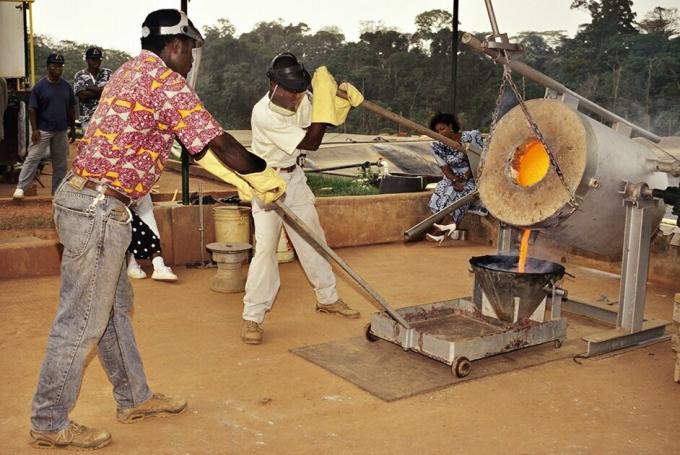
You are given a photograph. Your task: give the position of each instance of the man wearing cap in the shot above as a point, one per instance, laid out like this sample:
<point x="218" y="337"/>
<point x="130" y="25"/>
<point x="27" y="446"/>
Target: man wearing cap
<point x="284" y="125"/>
<point x="51" y="110"/>
<point x="144" y="107"/>
<point x="89" y="83"/>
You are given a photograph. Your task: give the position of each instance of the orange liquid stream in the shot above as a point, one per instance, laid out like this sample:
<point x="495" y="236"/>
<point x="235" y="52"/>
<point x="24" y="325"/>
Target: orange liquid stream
<point x="523" y="248"/>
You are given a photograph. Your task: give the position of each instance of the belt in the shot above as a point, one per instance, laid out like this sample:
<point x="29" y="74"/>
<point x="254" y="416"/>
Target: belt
<point x="290" y="168"/>
<point x="79" y="183"/>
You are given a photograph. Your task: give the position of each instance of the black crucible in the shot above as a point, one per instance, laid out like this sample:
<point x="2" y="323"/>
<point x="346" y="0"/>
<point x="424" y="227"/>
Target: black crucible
<point x="502" y="284"/>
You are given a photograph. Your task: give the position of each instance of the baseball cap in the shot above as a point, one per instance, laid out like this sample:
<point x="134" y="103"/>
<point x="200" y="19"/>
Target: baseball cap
<point x="55" y="58"/>
<point x="94" y="53"/>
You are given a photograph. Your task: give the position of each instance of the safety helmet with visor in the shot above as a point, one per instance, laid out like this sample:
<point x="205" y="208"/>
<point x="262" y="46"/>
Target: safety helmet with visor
<point x="168" y="22"/>
<point x="285" y="70"/>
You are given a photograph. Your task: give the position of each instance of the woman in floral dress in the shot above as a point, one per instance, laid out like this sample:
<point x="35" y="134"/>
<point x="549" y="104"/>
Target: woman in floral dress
<point x="458" y="180"/>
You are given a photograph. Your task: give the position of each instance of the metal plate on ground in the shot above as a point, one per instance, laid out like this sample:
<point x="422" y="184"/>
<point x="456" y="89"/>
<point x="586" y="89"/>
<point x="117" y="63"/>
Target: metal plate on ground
<point x="388" y="372"/>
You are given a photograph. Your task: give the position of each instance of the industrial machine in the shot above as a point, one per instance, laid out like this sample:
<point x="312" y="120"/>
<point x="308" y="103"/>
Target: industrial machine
<point x="16" y="63"/>
<point x="548" y="168"/>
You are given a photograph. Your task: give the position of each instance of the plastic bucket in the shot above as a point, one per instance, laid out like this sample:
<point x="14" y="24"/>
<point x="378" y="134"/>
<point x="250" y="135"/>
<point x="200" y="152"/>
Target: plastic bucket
<point x="232" y="224"/>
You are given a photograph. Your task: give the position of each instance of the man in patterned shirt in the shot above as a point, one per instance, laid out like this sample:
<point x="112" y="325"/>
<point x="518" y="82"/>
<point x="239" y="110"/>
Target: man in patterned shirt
<point x="145" y="105"/>
<point x="89" y="83"/>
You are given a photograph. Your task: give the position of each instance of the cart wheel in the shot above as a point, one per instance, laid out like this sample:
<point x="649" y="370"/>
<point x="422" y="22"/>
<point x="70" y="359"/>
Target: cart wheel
<point x="462" y="367"/>
<point x="369" y="336"/>
<point x="558" y="344"/>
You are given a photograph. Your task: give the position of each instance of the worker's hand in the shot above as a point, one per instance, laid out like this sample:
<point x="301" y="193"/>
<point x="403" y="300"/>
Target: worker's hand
<point x="458" y="185"/>
<point x="267" y="185"/>
<point x="353" y="93"/>
<point x="72" y="134"/>
<point x="35" y="137"/>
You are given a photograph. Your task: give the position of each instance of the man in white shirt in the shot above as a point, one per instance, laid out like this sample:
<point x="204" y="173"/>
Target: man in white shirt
<point x="284" y="126"/>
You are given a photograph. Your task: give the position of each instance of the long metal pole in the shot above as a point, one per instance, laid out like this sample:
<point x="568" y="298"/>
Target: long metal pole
<point x="185" y="153"/>
<point x="418" y="231"/>
<point x="548" y="82"/>
<point x="410" y="124"/>
<point x="454" y="55"/>
<point x="325" y="250"/>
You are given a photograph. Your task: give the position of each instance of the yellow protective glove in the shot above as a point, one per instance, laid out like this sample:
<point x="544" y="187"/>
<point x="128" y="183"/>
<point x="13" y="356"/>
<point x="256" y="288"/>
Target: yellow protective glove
<point x="326" y="106"/>
<point x="342" y="105"/>
<point x="267" y="185"/>
<point x="323" y="102"/>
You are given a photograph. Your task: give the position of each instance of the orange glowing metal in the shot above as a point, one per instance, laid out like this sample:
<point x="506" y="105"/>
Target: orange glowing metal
<point x="523" y="248"/>
<point x="531" y="163"/>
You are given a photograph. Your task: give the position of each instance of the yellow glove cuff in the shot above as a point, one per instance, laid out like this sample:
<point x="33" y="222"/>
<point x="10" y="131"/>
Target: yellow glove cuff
<point x="266" y="185"/>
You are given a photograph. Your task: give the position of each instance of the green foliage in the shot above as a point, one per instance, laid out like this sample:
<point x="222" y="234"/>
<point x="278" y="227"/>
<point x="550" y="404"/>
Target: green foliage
<point x="628" y="67"/>
<point x="74" y="56"/>
<point x="328" y="185"/>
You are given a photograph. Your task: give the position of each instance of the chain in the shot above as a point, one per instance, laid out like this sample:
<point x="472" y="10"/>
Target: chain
<point x="494" y="121"/>
<point x="507" y="80"/>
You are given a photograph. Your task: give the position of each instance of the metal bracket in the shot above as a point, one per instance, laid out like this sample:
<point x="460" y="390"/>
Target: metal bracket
<point x="631" y="327"/>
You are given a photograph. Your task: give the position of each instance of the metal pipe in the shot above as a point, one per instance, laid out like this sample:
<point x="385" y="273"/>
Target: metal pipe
<point x="326" y="251"/>
<point x="492" y="17"/>
<point x="454" y="55"/>
<point x="365" y="164"/>
<point x="418" y="231"/>
<point x="548" y="82"/>
<point x="185" y="153"/>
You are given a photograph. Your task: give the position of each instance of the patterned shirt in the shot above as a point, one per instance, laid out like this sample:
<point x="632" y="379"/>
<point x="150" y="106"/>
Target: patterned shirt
<point x="143" y="108"/>
<point x="84" y="80"/>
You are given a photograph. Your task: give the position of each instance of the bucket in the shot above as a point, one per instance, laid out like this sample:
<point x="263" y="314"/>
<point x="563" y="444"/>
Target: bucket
<point x="232" y="224"/>
<point x="284" y="250"/>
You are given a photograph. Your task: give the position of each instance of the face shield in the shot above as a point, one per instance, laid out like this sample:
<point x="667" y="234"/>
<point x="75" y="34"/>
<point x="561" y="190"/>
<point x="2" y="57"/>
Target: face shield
<point x="299" y="97"/>
<point x="192" y="77"/>
<point x="183" y="26"/>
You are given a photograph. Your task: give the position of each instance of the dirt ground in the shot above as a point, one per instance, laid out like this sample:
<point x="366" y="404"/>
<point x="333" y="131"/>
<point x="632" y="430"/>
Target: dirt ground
<point x="263" y="399"/>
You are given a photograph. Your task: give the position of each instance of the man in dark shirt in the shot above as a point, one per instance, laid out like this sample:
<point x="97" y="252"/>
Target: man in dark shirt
<point x="89" y="83"/>
<point x="51" y="109"/>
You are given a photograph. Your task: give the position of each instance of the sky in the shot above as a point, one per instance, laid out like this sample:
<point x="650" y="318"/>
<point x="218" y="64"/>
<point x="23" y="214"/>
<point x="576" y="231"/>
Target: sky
<point x="116" y="24"/>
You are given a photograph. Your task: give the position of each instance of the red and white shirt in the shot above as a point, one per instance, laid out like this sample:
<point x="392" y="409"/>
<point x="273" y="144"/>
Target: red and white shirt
<point x="142" y="109"/>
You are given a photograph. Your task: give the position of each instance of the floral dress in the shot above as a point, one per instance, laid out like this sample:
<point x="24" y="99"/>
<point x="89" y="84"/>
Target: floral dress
<point x="445" y="194"/>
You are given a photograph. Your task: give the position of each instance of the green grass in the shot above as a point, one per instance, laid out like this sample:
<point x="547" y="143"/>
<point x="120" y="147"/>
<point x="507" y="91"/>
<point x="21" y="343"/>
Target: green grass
<point x="328" y="185"/>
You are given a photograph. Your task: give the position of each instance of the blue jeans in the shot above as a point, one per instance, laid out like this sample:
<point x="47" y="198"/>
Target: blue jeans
<point x="95" y="303"/>
<point x="57" y="144"/>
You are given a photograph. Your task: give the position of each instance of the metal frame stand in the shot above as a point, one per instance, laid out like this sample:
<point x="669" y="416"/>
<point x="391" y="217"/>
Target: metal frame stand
<point x="631" y="327"/>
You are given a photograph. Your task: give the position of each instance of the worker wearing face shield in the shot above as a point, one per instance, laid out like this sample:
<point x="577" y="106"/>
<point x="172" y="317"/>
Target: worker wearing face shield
<point x="144" y="107"/>
<point x="285" y="123"/>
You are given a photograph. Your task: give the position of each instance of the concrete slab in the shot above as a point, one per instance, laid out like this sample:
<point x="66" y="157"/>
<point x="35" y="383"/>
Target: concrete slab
<point x="263" y="399"/>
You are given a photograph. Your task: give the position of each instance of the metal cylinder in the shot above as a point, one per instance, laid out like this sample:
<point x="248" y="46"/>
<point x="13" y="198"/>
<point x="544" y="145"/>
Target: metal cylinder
<point x="521" y="188"/>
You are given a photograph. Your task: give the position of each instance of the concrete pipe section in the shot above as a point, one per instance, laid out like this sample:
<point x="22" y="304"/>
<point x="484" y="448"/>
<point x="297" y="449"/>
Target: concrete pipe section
<point x="519" y="187"/>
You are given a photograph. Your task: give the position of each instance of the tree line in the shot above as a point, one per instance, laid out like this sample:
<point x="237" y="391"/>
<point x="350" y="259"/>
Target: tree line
<point x="629" y="66"/>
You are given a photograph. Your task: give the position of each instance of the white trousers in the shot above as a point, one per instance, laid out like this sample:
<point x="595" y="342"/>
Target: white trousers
<point x="263" y="275"/>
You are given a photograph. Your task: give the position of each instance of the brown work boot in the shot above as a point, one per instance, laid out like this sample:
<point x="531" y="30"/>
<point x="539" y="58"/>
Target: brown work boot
<point x="251" y="332"/>
<point x="157" y="406"/>
<point x="339" y="308"/>
<point x="74" y="436"/>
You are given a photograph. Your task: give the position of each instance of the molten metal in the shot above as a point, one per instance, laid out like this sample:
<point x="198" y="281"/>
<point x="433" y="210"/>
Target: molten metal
<point x="531" y="163"/>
